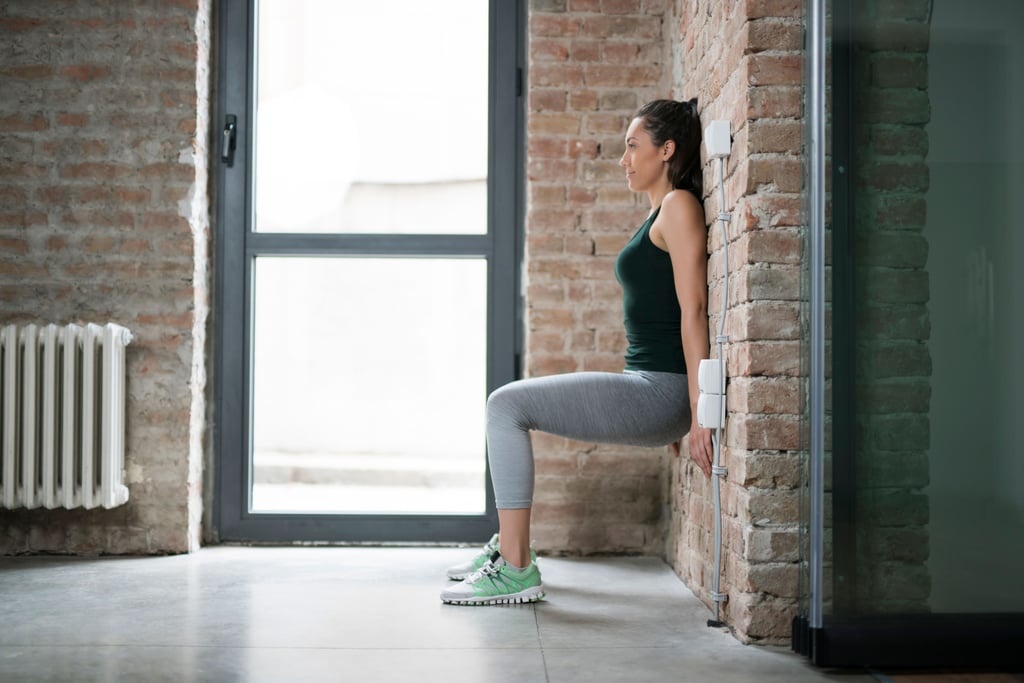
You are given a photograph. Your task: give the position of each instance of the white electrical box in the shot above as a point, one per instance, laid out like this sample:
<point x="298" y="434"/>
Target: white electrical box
<point x="717" y="139"/>
<point x="709" y="376"/>
<point x="709" y="411"/>
<point x="712" y="393"/>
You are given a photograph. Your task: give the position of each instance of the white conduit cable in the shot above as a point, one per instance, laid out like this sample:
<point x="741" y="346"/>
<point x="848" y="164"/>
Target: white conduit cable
<point x="711" y="405"/>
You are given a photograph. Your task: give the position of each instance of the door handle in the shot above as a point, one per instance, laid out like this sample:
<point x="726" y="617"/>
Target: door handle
<point x="227" y="144"/>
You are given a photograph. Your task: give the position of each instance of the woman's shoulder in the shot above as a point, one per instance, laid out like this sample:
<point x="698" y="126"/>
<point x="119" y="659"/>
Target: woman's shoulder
<point x="681" y="216"/>
<point x="681" y="200"/>
<point x="682" y="206"/>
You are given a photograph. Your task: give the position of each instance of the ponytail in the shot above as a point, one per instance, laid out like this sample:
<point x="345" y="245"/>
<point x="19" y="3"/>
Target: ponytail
<point x="666" y="120"/>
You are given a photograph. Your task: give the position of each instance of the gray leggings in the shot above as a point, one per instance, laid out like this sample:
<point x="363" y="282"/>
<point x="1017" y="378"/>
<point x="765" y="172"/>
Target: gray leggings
<point x="635" y="408"/>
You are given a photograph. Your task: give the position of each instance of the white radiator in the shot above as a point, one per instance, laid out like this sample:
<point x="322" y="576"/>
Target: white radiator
<point x="62" y="425"/>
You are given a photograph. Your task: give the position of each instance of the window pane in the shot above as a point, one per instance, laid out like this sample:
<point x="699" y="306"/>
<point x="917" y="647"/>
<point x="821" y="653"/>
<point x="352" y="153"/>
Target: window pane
<point x="369" y="385"/>
<point x="369" y="119"/>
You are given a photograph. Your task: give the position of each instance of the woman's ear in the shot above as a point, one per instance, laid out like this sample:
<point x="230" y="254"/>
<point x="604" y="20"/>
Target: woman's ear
<point x="668" y="149"/>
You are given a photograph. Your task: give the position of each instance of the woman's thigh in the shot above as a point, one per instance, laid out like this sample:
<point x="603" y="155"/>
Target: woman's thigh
<point x="635" y="408"/>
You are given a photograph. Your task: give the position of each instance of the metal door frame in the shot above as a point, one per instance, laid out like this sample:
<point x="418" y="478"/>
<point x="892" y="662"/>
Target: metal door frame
<point x="236" y="246"/>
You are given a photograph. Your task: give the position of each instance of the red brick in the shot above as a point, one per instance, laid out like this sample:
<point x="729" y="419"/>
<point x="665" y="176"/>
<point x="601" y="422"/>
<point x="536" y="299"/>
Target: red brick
<point x="772" y="34"/>
<point x="132" y="195"/>
<point x="586" y="51"/>
<point x="96" y="171"/>
<point x="620" y="53"/>
<point x="13" y="245"/>
<point x="543" y="147"/>
<point x="19" y="24"/>
<point x="775" y="172"/>
<point x="547" y="100"/>
<point x="556" y="75"/>
<point x="579" y="244"/>
<point x="550" y="169"/>
<point x="541" y="366"/>
<point x="775" y="69"/>
<point x="11" y="195"/>
<point x="167" y="172"/>
<point x="28" y="71"/>
<point x="767" y="320"/>
<point x="554" y="124"/>
<point x="599" y="75"/>
<point x="93" y="218"/>
<point x="764" y="358"/>
<point x="76" y="119"/>
<point x="542" y="50"/>
<point x="84" y="73"/>
<point x="544" y="245"/>
<point x="18" y="123"/>
<point x="620" y="6"/>
<point x="548" y="194"/>
<point x="774" y="135"/>
<point x="633" y="28"/>
<point x="23" y="219"/>
<point x="606" y="123"/>
<point x="582" y="148"/>
<point x="584" y="100"/>
<point x="23" y="171"/>
<point x="756" y="9"/>
<point x="553" y="25"/>
<point x="555" y="269"/>
<point x="582" y="196"/>
<point x="24" y="269"/>
<point x="776" y="101"/>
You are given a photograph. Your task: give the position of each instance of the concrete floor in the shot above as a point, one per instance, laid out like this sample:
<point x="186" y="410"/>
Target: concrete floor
<point x="360" y="614"/>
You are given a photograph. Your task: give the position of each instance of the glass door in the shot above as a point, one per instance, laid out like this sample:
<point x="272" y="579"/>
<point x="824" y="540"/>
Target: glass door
<point x="921" y="522"/>
<point x="367" y="256"/>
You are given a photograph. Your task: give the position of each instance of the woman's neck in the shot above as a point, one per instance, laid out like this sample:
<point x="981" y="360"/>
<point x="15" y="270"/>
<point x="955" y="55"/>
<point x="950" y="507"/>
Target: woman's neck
<point x="657" y="194"/>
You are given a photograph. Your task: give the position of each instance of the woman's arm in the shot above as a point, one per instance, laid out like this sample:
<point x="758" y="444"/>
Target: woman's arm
<point x="680" y="229"/>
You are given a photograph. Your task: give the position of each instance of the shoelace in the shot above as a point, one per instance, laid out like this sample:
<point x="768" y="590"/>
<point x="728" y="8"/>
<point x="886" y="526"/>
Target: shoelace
<point x="488" y="569"/>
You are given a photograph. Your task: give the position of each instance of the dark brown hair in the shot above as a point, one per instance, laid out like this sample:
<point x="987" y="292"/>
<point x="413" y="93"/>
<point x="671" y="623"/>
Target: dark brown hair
<point x="666" y="120"/>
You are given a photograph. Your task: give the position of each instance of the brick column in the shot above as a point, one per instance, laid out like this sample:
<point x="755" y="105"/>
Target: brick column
<point x="104" y="217"/>
<point x="744" y="60"/>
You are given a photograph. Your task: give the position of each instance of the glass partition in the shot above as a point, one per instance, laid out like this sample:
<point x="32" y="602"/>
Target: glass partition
<point x="923" y="521"/>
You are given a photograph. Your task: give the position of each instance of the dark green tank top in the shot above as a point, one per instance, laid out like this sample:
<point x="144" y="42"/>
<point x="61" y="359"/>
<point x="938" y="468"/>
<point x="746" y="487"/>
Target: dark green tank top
<point x="650" y="305"/>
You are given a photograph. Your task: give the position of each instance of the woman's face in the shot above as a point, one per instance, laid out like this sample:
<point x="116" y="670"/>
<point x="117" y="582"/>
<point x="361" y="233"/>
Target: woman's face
<point x="644" y="162"/>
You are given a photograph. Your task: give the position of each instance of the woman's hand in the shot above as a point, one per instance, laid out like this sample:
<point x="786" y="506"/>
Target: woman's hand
<point x="702" y="451"/>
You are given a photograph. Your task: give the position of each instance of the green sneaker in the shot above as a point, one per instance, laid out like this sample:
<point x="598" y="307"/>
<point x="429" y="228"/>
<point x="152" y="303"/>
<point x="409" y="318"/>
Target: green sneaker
<point x="497" y="583"/>
<point x="462" y="571"/>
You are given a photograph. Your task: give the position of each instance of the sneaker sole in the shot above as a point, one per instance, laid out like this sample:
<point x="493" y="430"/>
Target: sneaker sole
<point x="529" y="595"/>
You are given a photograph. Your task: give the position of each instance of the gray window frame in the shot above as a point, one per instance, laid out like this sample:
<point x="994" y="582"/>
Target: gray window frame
<point x="236" y="246"/>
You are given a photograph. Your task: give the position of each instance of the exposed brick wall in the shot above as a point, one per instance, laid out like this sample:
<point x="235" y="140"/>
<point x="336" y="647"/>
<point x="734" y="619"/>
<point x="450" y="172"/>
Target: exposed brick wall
<point x="592" y="63"/>
<point x="104" y="217"/>
<point x="744" y="60"/>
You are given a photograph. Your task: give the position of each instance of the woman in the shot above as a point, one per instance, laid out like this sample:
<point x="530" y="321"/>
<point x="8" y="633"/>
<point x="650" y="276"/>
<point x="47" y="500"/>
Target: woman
<point x="663" y="273"/>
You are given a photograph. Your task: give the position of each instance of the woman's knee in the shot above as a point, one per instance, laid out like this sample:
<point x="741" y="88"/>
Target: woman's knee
<point x="501" y="399"/>
<point x="506" y="403"/>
